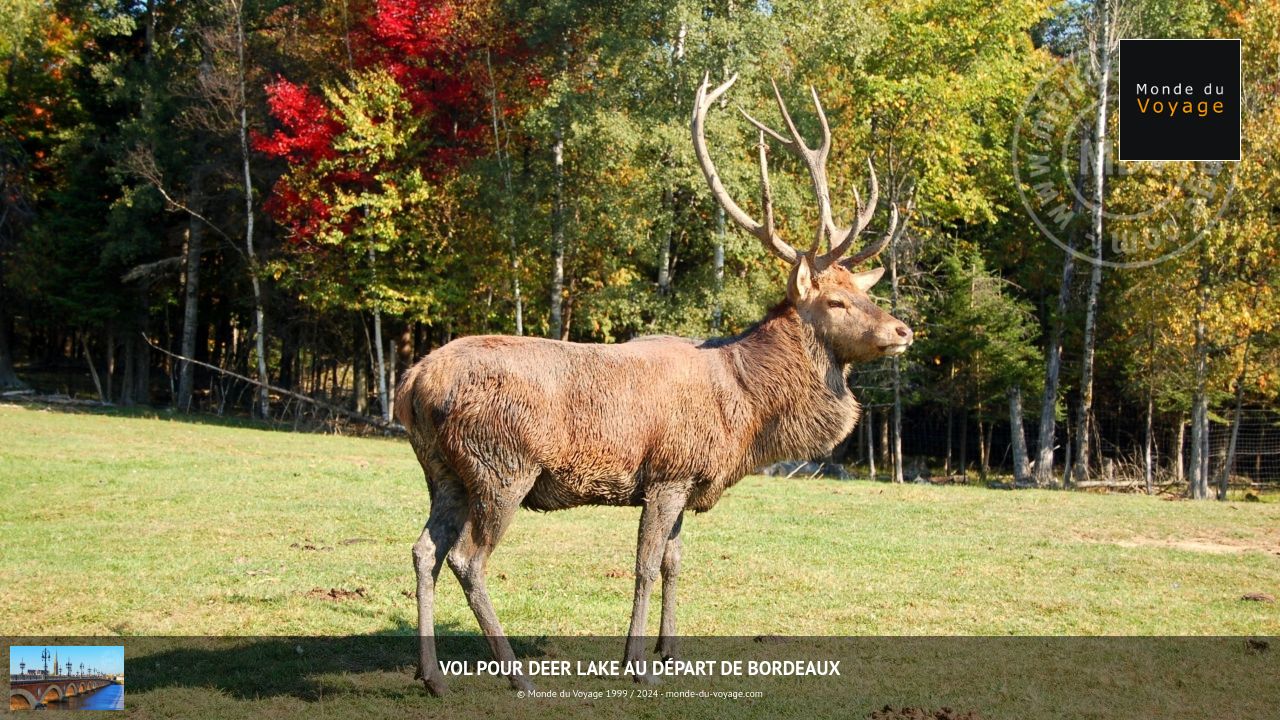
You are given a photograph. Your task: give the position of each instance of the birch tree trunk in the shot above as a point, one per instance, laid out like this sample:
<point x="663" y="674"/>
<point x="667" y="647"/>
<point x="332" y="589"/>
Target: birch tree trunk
<point x="897" y="366"/>
<point x="557" y="239"/>
<point x="1099" y="152"/>
<point x="869" y="424"/>
<point x="664" y="247"/>
<point x="259" y="320"/>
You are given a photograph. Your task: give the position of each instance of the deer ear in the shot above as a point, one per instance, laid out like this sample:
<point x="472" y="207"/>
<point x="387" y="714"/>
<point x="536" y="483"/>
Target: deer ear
<point x="864" y="281"/>
<point x="801" y="284"/>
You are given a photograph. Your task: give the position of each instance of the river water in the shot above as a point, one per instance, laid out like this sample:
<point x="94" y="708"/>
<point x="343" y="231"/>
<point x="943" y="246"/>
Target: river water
<point x="110" y="697"/>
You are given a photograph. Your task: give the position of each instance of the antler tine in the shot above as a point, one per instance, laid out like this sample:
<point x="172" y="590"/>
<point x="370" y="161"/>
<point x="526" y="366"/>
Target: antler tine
<point x="766" y="192"/>
<point x="764" y="233"/>
<point x="814" y="160"/>
<point x="786" y="117"/>
<point x="865" y="213"/>
<point x="875" y="248"/>
<point x="825" y="146"/>
<point x="786" y="142"/>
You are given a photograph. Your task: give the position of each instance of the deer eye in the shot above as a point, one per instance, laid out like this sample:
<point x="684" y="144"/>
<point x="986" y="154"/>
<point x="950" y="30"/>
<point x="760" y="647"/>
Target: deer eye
<point x="836" y="304"/>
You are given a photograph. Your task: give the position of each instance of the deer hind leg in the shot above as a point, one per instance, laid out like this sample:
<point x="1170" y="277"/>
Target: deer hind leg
<point x="666" y="647"/>
<point x="448" y="513"/>
<point x="657" y="521"/>
<point x="489" y="514"/>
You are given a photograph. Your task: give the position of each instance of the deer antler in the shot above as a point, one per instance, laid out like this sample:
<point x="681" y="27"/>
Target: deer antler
<point x="763" y="232"/>
<point x="815" y="160"/>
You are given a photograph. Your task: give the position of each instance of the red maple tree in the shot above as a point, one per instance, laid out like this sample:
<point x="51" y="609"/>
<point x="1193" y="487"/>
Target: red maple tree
<point x="432" y="49"/>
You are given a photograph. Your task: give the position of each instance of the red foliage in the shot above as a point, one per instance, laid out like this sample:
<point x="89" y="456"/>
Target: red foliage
<point x="430" y="48"/>
<point x="307" y="127"/>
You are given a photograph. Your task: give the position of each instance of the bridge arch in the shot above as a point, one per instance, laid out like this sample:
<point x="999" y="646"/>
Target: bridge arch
<point x="71" y="689"/>
<point x="20" y="699"/>
<point x="53" y="693"/>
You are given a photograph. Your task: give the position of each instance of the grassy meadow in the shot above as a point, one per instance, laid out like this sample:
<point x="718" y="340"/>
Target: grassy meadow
<point x="149" y="524"/>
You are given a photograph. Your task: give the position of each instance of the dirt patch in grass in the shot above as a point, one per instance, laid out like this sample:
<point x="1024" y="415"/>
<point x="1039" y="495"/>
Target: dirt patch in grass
<point x="888" y="712"/>
<point x="338" y="594"/>
<point x="1218" y="546"/>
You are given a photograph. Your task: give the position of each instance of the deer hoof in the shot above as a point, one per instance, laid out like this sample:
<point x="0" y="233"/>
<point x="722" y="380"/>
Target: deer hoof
<point x="666" y="649"/>
<point x="520" y="682"/>
<point x="434" y="684"/>
<point x="647" y="679"/>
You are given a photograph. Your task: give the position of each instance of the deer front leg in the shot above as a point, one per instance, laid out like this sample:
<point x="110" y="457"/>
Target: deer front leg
<point x="657" y="520"/>
<point x="666" y="647"/>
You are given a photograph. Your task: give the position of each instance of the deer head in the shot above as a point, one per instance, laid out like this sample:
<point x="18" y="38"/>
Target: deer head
<point x="826" y="293"/>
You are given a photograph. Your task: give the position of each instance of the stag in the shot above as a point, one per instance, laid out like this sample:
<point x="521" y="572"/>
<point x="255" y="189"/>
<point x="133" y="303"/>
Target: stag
<point x="666" y="424"/>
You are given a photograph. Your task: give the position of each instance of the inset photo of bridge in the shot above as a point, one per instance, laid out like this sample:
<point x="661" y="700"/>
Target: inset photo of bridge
<point x="66" y="677"/>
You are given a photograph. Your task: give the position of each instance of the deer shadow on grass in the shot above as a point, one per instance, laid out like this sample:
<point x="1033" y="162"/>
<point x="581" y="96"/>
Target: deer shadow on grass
<point x="307" y="668"/>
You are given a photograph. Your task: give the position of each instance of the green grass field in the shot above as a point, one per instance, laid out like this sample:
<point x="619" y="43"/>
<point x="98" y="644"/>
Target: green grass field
<point x="130" y="525"/>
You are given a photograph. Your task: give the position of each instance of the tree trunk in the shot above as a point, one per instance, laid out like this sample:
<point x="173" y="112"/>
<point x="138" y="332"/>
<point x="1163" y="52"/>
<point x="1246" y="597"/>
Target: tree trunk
<point x="111" y="364"/>
<point x="871" y="445"/>
<point x="1179" y="461"/>
<point x="126" y="378"/>
<point x="1043" y="471"/>
<point x="897" y="421"/>
<point x="946" y="463"/>
<point x="964" y="445"/>
<point x="504" y="163"/>
<point x="1099" y="149"/>
<point x="259" y="322"/>
<point x="886" y="458"/>
<point x="141" y="394"/>
<point x="666" y="234"/>
<point x="191" y="294"/>
<point x="93" y="370"/>
<point x="984" y="451"/>
<point x="717" y="271"/>
<point x="1199" y="483"/>
<point x="1228" y="462"/>
<point x="1148" y="470"/>
<point x="1021" y="473"/>
<point x="359" y="389"/>
<point x="1198" y="489"/>
<point x="384" y="397"/>
<point x="8" y="375"/>
<point x="897" y="365"/>
<point x="557" y="239"/>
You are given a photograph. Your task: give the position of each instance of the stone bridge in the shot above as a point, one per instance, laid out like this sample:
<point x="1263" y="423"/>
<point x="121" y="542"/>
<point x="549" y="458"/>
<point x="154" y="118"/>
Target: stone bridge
<point x="39" y="692"/>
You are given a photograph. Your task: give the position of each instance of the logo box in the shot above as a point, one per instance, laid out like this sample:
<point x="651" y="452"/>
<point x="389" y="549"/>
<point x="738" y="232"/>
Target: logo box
<point x="1179" y="100"/>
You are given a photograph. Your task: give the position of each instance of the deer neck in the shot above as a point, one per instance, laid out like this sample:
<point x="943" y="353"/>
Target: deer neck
<point x="797" y="392"/>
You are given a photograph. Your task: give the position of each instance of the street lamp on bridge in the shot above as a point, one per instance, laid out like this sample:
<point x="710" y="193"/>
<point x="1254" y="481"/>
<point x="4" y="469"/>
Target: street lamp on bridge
<point x="22" y="668"/>
<point x="68" y="667"/>
<point x="45" y="657"/>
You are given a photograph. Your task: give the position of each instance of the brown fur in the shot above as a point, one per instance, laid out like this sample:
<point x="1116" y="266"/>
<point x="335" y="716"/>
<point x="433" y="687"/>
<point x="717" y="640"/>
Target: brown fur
<point x="664" y="423"/>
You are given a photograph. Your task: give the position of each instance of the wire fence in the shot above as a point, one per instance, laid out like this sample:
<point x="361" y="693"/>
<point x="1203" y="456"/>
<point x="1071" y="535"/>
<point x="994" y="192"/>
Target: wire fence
<point x="947" y="443"/>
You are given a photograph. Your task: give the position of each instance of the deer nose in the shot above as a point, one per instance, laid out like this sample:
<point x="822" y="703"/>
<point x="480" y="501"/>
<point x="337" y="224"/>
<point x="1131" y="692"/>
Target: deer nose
<point x="903" y="332"/>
